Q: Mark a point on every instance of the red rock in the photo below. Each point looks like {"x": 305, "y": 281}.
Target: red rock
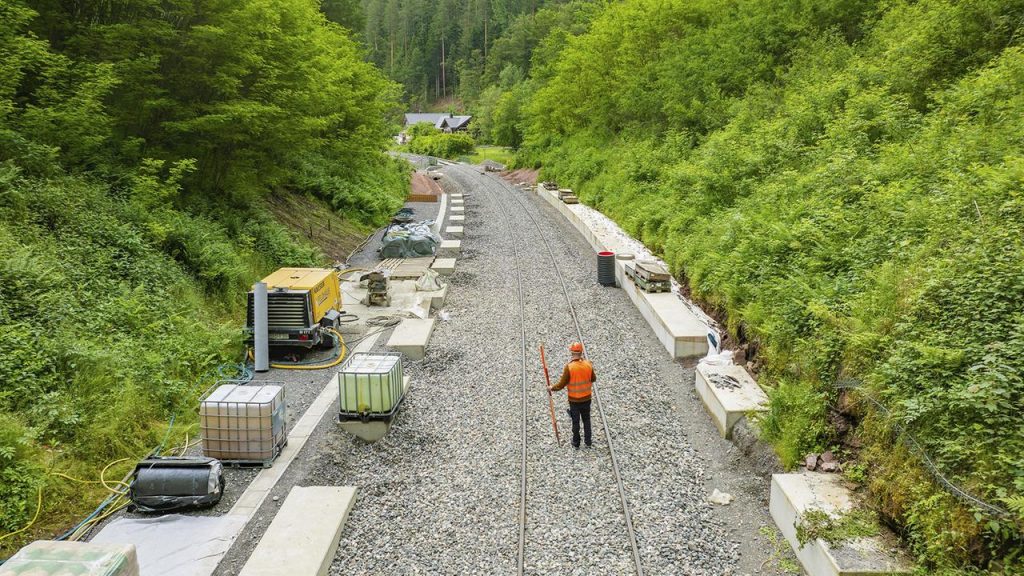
{"x": 811, "y": 462}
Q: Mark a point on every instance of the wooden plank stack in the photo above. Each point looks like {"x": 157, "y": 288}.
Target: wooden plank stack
{"x": 650, "y": 276}
{"x": 405, "y": 268}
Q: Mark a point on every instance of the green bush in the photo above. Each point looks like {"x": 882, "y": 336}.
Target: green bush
{"x": 442, "y": 145}
{"x": 795, "y": 422}
{"x": 20, "y": 472}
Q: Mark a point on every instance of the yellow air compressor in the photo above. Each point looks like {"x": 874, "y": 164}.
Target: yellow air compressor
{"x": 302, "y": 304}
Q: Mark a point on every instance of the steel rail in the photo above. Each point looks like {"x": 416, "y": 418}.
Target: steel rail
{"x": 521, "y": 554}
{"x": 631, "y": 533}
{"x": 597, "y": 400}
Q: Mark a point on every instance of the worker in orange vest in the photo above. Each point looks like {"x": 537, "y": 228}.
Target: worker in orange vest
{"x": 579, "y": 376}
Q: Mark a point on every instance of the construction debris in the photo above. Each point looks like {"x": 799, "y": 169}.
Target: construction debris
{"x": 566, "y": 195}
{"x": 378, "y": 291}
{"x": 721, "y": 498}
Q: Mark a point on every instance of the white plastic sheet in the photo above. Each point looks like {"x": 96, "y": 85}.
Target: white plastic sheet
{"x": 175, "y": 545}
{"x": 429, "y": 282}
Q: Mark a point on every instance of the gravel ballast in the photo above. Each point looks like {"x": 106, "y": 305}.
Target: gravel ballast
{"x": 440, "y": 494}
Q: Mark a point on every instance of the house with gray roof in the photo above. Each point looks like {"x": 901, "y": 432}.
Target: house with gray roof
{"x": 444, "y": 121}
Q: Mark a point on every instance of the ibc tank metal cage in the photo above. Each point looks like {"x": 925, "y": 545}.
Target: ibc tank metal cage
{"x": 244, "y": 424}
{"x": 370, "y": 386}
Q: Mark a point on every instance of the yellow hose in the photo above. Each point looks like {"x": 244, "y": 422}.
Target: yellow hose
{"x": 39, "y": 506}
{"x": 73, "y": 479}
{"x": 104, "y": 480}
{"x": 341, "y": 356}
{"x": 84, "y": 529}
{"x": 348, "y": 270}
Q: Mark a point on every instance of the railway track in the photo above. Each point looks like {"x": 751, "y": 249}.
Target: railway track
{"x": 488, "y": 184}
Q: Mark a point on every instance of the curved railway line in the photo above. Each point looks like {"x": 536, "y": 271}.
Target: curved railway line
{"x": 509, "y": 191}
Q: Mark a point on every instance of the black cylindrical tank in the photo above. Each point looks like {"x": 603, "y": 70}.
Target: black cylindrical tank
{"x": 606, "y": 268}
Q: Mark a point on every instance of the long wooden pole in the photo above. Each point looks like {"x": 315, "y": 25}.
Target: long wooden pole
{"x": 551, "y": 399}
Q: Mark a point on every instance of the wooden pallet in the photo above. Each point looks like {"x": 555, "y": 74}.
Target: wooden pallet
{"x": 422, "y": 198}
{"x": 265, "y": 463}
{"x": 652, "y": 287}
{"x": 566, "y": 195}
{"x": 652, "y": 271}
{"x": 405, "y": 268}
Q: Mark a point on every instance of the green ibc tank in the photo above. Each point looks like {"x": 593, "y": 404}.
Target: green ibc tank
{"x": 370, "y": 384}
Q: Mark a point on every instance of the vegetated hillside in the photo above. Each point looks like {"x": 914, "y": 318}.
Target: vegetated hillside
{"x": 843, "y": 182}
{"x": 138, "y": 143}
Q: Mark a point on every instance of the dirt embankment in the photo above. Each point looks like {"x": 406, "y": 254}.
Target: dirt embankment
{"x": 528, "y": 175}
{"x": 317, "y": 222}
{"x": 423, "y": 185}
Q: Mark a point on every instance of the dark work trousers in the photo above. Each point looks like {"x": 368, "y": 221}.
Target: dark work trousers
{"x": 577, "y": 411}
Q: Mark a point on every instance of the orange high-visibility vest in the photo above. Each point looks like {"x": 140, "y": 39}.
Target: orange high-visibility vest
{"x": 581, "y": 380}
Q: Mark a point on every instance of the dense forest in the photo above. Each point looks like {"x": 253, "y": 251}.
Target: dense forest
{"x": 842, "y": 182}
{"x": 454, "y": 49}
{"x": 139, "y": 143}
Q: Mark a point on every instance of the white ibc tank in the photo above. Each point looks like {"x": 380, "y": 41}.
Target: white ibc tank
{"x": 370, "y": 384}
{"x": 243, "y": 423}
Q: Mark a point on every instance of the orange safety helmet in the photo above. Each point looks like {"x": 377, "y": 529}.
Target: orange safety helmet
{"x": 576, "y": 347}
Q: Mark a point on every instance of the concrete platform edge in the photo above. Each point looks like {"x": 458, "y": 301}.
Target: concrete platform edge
{"x": 676, "y": 346}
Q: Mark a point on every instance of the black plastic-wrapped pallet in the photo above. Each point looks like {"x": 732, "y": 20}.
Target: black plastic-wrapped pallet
{"x": 171, "y": 484}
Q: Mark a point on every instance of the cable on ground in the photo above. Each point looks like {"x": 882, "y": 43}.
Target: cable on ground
{"x": 339, "y": 346}
{"x": 912, "y": 443}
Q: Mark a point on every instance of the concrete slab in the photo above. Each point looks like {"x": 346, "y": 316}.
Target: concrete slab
{"x": 444, "y": 266}
{"x": 453, "y": 231}
{"x": 438, "y": 224}
{"x": 681, "y": 333}
{"x": 456, "y": 219}
{"x": 728, "y": 393}
{"x": 793, "y": 495}
{"x": 437, "y": 297}
{"x": 449, "y": 248}
{"x": 404, "y": 299}
{"x": 411, "y": 337}
{"x": 303, "y": 537}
